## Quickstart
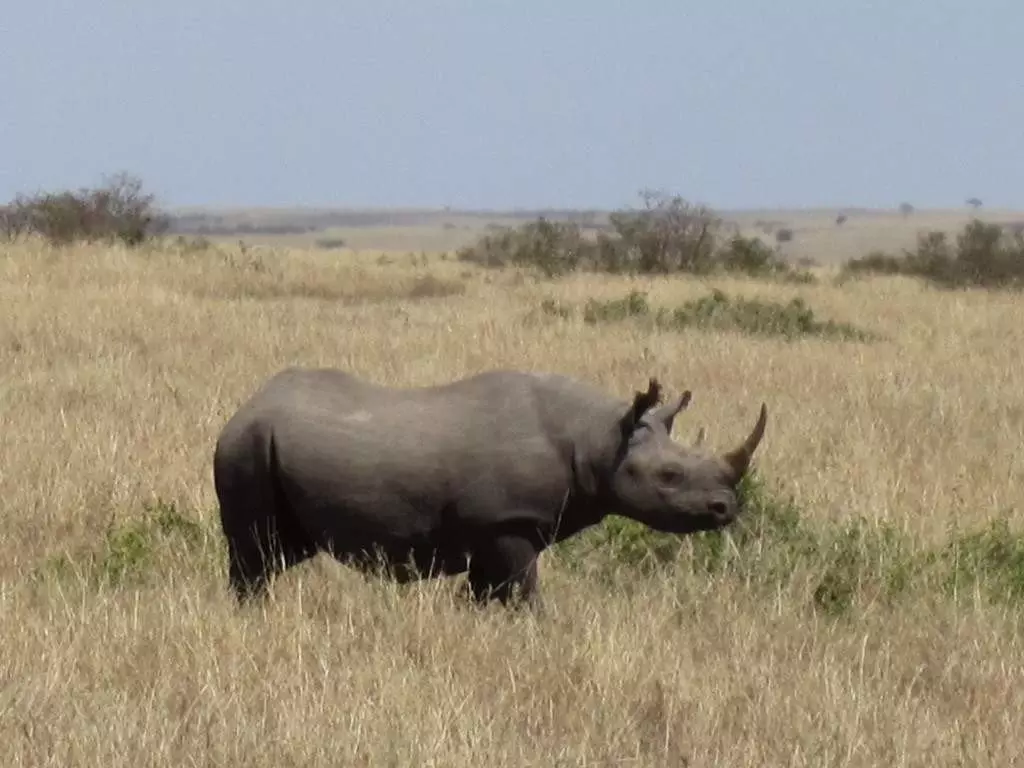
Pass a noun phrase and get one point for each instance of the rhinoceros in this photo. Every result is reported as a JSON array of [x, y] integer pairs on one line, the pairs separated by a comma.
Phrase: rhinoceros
[[478, 475]]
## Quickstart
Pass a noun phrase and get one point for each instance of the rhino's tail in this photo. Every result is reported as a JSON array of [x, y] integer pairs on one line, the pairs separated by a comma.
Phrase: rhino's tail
[[263, 535], [294, 538]]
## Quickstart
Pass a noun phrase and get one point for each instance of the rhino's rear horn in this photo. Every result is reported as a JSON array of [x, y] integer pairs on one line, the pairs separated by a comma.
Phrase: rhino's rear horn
[[739, 459], [702, 437]]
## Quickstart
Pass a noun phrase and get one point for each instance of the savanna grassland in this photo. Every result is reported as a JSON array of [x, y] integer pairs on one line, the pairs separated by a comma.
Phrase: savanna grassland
[[121, 646]]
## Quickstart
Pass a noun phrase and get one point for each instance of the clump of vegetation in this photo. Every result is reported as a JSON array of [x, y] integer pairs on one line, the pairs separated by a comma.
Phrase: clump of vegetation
[[430, 286], [634, 304], [331, 243], [553, 247], [720, 312], [667, 235], [556, 309], [991, 558], [846, 564], [752, 256], [130, 553], [116, 211], [791, 320], [193, 244], [876, 262], [983, 255], [843, 566]]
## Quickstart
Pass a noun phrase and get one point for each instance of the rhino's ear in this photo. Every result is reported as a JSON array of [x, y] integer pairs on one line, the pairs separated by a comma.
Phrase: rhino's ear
[[642, 402], [667, 413]]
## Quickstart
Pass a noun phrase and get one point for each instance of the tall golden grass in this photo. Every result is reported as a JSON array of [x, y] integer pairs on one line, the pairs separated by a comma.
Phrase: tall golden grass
[[119, 368]]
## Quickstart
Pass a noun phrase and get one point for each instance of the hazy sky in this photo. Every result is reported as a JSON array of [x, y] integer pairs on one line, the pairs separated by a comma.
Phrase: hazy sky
[[736, 103]]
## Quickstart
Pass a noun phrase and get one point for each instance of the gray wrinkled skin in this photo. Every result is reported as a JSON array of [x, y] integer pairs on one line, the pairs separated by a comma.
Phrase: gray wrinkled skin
[[491, 469]]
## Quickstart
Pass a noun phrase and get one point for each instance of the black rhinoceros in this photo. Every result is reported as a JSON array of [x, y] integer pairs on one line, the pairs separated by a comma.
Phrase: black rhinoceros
[[480, 474]]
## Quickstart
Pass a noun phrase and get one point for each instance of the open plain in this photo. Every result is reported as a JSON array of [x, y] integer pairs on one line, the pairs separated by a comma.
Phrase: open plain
[[118, 367]]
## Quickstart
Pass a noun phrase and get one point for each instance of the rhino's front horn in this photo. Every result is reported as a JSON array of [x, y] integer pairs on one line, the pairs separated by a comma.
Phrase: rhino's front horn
[[739, 459]]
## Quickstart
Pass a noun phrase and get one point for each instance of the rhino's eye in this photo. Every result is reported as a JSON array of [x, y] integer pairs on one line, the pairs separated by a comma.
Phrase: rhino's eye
[[670, 476]]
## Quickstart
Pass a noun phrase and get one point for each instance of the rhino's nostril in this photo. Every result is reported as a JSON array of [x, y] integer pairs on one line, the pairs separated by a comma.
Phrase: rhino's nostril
[[720, 509]]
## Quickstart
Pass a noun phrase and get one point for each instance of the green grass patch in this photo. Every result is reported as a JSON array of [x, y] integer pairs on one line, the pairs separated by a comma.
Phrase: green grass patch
[[772, 548], [845, 565], [720, 312], [134, 552]]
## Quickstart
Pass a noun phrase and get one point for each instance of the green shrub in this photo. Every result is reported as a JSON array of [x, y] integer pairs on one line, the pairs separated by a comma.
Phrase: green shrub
[[633, 305], [553, 247], [992, 559], [791, 320], [876, 262], [752, 256], [331, 243], [718, 311]]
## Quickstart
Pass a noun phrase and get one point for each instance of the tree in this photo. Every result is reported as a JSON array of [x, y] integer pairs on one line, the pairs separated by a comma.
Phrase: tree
[[906, 209], [974, 202]]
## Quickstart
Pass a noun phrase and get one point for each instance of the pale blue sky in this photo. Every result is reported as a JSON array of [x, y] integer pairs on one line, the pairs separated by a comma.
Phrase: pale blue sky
[[735, 103]]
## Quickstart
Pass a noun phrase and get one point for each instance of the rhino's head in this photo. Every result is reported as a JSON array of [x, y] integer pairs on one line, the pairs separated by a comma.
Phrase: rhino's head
[[668, 486]]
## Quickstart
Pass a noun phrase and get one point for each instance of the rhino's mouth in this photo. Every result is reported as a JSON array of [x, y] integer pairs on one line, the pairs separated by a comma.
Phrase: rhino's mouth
[[714, 515]]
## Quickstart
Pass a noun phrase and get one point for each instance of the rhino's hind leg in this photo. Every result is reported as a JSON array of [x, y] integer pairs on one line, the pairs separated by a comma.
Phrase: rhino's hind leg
[[505, 568], [260, 551], [263, 540]]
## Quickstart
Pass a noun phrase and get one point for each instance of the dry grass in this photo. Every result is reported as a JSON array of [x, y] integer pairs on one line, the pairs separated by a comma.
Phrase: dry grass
[[119, 368]]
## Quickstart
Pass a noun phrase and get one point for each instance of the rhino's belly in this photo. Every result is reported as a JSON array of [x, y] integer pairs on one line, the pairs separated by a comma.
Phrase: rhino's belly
[[343, 510], [375, 531]]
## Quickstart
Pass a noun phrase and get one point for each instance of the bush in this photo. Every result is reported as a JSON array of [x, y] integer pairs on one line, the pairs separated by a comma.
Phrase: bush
[[984, 255], [667, 235], [116, 211], [551, 246], [718, 311], [330, 243], [752, 256], [14, 222], [992, 558], [877, 262], [430, 286], [633, 305], [768, 318]]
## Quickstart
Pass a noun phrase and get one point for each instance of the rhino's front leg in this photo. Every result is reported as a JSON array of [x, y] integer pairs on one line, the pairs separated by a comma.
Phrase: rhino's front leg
[[505, 567]]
